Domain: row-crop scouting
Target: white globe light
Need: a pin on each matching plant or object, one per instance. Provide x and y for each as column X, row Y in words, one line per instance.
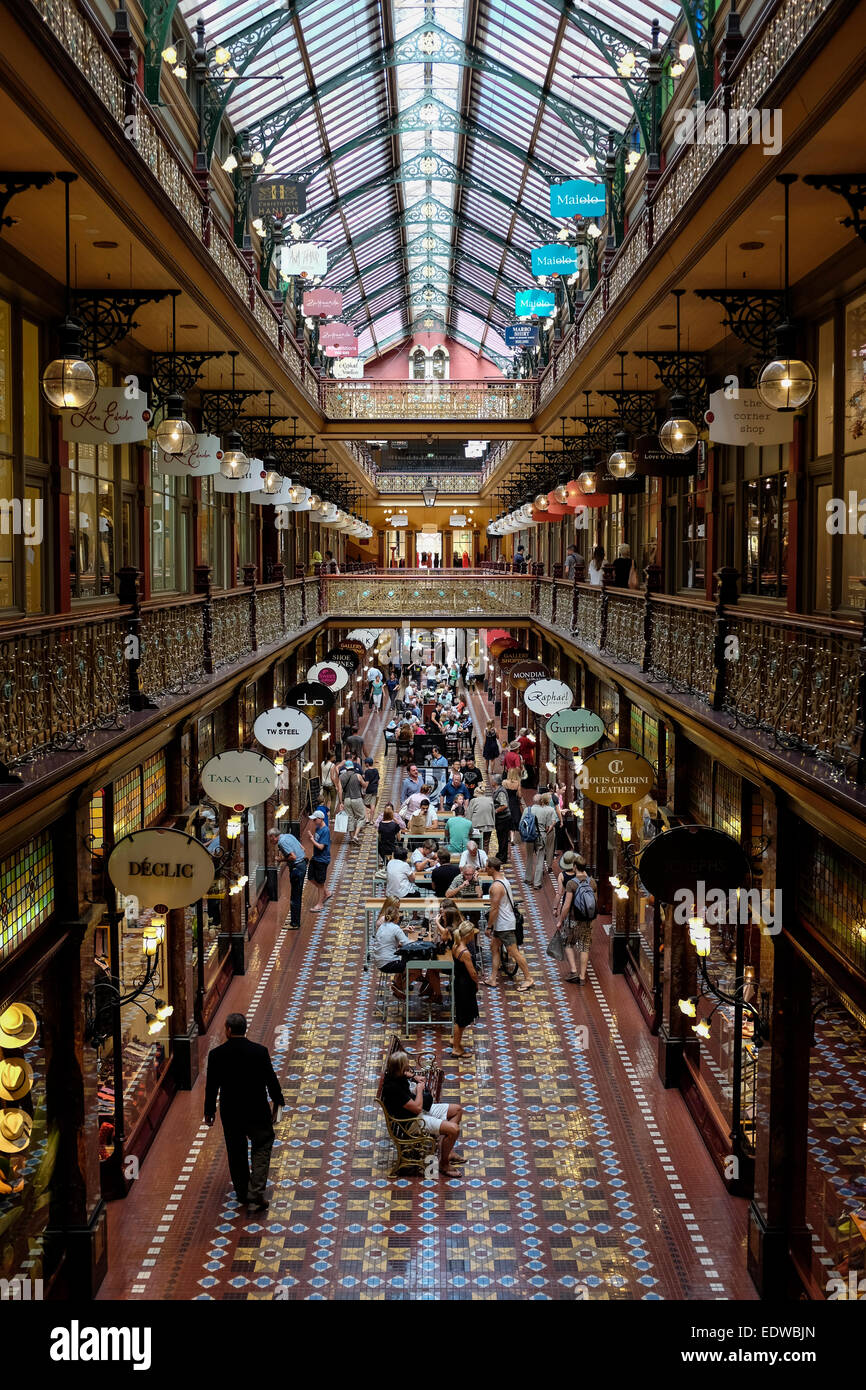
column 678, row 435
column 621, row 463
column 787, row 383
column 174, row 434
column 586, row 481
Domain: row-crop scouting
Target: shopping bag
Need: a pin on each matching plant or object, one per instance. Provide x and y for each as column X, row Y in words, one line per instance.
column 554, row 946
column 341, row 822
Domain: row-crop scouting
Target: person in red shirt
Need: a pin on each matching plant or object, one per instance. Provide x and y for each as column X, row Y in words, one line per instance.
column 527, row 753
column 512, row 763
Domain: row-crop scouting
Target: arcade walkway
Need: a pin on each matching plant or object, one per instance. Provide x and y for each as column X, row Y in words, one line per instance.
column 583, row 1176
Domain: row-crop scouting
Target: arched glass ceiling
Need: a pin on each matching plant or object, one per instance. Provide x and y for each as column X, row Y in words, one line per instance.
column 452, row 142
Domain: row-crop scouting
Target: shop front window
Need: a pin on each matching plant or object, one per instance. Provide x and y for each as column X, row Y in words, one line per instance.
column 26, row 1176
column 766, row 522
column 694, row 538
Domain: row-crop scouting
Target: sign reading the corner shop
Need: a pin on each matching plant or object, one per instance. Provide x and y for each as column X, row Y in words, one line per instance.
column 745, row 419
column 547, row 697
column 283, row 729
column 577, row 198
column 616, row 777
column 574, row 728
column 110, row 418
column 161, row 868
column 239, row 778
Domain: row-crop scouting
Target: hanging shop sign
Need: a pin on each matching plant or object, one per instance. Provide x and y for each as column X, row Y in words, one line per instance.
column 500, row 645
column 250, row 482
column 456, row 519
column 322, row 303
column 346, row 348
column 652, row 461
column 616, row 777
column 312, row 698
column 161, row 868
column 239, row 778
column 574, row 728
column 524, row 673
column 577, row 198
column 202, row 461
column 357, row 642
column 399, row 520
column 548, row 696
column 110, row 418
column 280, row 197
column 474, row 448
column 341, row 656
column 334, row 677
column 304, row 259
column 283, row 729
column 534, row 302
column 270, row 499
column 678, row 861
column 747, row 420
column 512, row 655
column 521, row 335
column 558, row 259
column 335, row 333
column 349, row 368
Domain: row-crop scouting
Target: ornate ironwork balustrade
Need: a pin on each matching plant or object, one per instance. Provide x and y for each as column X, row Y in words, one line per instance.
column 428, row 400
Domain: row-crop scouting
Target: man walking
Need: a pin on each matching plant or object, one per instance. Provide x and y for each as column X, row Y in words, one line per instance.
column 240, row 1072
column 318, row 867
column 547, row 820
column 502, row 925
column 293, row 852
column 502, row 818
column 352, row 799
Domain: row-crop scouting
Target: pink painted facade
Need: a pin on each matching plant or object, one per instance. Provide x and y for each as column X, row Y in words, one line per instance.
column 464, row 364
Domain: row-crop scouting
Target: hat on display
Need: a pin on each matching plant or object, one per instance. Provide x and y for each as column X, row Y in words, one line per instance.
column 15, row 1128
column 17, row 1026
column 568, row 860
column 16, row 1078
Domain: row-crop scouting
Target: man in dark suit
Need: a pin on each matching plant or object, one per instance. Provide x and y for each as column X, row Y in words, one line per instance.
column 242, row 1074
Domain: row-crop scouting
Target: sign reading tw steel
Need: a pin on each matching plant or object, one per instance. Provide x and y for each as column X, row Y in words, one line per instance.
column 616, row 777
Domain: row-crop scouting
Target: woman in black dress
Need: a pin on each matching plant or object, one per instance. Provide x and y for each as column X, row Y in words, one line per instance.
column 465, row 983
column 491, row 750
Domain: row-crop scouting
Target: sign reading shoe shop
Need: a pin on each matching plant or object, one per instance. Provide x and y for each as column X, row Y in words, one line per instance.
column 239, row 778
column 616, row 777
column 161, row 868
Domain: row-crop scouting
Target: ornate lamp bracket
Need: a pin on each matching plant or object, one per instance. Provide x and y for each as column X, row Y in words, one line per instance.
column 752, row 315
column 107, row 318
column 12, row 183
column 176, row 372
column 851, row 187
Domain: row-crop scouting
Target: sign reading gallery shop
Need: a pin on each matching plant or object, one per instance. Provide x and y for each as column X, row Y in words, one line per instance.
column 161, row 868
column 577, row 198
column 548, row 696
column 575, row 728
column 239, row 778
column 283, row 729
column 616, row 777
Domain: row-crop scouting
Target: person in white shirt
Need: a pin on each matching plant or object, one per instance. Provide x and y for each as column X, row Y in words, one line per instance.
column 547, row 819
column 431, row 674
column 399, row 877
column 385, row 951
column 595, row 570
column 424, row 857
column 473, row 856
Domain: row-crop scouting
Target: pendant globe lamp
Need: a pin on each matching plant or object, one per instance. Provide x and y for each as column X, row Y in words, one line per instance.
column 586, row 478
column 787, row 382
column 174, row 433
column 621, row 462
column 678, row 434
column 69, row 382
column 234, row 462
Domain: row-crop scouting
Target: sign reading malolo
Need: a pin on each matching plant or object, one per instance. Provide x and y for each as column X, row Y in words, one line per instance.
column 577, row 198
column 574, row 728
column 533, row 302
column 548, row 697
column 283, row 729
column 616, row 777
column 745, row 419
column 558, row 259
column 161, row 868
column 110, row 418
column 239, row 778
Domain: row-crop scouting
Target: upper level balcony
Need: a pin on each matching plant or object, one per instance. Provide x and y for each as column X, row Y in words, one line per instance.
column 503, row 409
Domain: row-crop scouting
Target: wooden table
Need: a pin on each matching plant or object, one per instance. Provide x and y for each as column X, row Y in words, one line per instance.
column 421, row 907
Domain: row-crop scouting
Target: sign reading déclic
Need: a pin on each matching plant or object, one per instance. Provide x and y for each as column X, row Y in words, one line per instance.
column 161, row 867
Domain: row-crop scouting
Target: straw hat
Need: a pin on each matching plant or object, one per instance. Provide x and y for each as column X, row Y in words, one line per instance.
column 568, row 860
column 16, row 1078
column 17, row 1026
column 15, row 1127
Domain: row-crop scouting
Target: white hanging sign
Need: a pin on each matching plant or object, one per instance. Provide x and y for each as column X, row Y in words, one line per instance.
column 333, row 676
column 348, row 368
column 252, row 482
column 546, row 697
column 745, row 419
column 161, row 868
column 304, row 258
column 283, row 729
column 239, row 778
column 202, row 461
column 270, row 499
column 110, row 418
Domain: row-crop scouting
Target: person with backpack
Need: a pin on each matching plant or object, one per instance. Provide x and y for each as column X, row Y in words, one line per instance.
column 574, row 918
column 543, row 847
column 505, row 924
column 501, row 818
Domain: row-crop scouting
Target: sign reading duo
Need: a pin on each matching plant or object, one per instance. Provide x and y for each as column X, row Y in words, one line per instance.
column 161, row 868
column 311, row 698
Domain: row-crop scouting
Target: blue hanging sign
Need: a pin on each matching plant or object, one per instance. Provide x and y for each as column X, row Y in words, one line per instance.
column 577, row 198
column 520, row 335
column 534, row 302
column 555, row 260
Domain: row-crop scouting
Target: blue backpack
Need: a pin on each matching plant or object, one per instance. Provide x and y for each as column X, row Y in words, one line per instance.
column 528, row 828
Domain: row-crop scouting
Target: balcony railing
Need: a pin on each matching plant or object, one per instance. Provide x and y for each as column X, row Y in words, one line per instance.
column 428, row 400
column 398, row 484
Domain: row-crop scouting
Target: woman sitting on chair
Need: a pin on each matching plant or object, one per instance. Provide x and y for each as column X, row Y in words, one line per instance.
column 389, row 937
column 403, row 1098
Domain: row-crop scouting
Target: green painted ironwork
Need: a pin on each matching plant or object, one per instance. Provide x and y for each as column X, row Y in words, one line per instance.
column 415, row 216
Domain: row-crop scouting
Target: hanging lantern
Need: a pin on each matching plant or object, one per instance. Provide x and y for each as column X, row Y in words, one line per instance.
column 586, row 481
column 234, row 462
column 174, row 434
column 621, row 463
column 541, row 503
column 787, row 383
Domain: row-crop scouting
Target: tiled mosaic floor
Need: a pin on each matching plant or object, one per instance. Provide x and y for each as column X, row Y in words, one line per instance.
column 583, row 1177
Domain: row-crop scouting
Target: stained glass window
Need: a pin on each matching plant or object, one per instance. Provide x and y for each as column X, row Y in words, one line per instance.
column 127, row 804
column 154, row 787
column 205, row 739
column 651, row 741
column 26, row 892
column 636, row 729
column 700, row 805
column 727, row 802
column 832, row 894
column 97, row 821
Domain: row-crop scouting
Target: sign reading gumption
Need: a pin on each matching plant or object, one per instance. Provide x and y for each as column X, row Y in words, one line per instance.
column 333, row 676
column 239, row 778
column 161, row 868
column 283, row 729
column 577, row 198
column 616, row 777
column 745, row 419
column 110, row 418
column 548, row 696
column 202, row 461
column 304, row 259
column 574, row 728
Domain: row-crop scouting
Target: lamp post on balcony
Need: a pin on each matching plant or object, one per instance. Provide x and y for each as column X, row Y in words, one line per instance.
column 428, row 492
